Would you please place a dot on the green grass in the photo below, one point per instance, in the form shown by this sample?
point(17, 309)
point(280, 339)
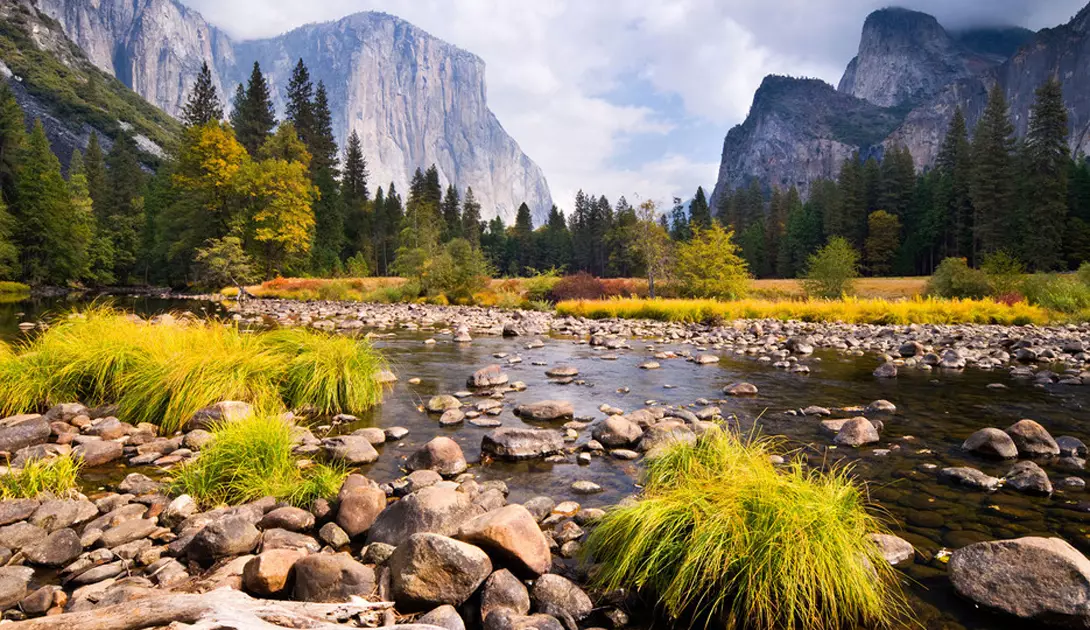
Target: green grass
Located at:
point(7, 287)
point(721, 535)
point(250, 459)
point(163, 373)
point(55, 476)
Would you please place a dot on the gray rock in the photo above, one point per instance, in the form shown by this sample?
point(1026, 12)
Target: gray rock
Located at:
point(617, 431)
point(55, 550)
point(1028, 477)
point(13, 510)
point(560, 597)
point(127, 531)
point(332, 535)
point(290, 518)
point(991, 442)
point(226, 411)
point(1069, 447)
point(970, 477)
point(880, 408)
point(1032, 440)
point(546, 411)
point(886, 370)
point(352, 450)
point(283, 539)
point(490, 376)
point(516, 443)
point(437, 510)
point(445, 616)
point(893, 548)
point(502, 590)
point(445, 402)
point(13, 585)
point(857, 432)
point(60, 513)
point(504, 619)
point(231, 536)
point(359, 503)
point(665, 434)
point(19, 432)
point(98, 453)
point(430, 569)
point(442, 454)
point(19, 535)
point(740, 389)
point(332, 578)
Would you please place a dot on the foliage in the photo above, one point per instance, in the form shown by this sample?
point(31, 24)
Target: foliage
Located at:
point(883, 239)
point(719, 533)
point(652, 244)
point(252, 458)
point(223, 262)
point(953, 278)
point(708, 266)
point(580, 286)
point(831, 271)
point(1063, 293)
point(55, 477)
point(1004, 273)
point(1047, 156)
point(327, 373)
point(204, 105)
point(13, 287)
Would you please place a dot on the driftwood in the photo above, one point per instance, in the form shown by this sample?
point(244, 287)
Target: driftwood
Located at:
point(220, 609)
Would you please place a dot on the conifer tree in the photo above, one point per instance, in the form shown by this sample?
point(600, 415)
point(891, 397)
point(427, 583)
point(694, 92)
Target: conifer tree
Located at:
point(12, 141)
point(554, 247)
point(9, 252)
point(204, 105)
point(81, 226)
point(523, 235)
point(992, 185)
point(358, 213)
point(883, 239)
point(300, 106)
point(1048, 159)
point(452, 214)
point(471, 219)
point(680, 229)
point(254, 117)
point(898, 181)
point(322, 145)
point(94, 167)
point(125, 212)
point(699, 212)
point(953, 195)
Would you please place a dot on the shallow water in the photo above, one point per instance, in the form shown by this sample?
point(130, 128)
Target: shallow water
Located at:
point(936, 412)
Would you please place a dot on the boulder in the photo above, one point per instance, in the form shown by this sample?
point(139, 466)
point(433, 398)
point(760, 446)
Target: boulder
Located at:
point(98, 453)
point(19, 432)
point(740, 389)
point(856, 432)
point(14, 510)
point(445, 617)
point(445, 402)
point(1032, 440)
point(290, 518)
point(268, 572)
point(1071, 446)
point(60, 513)
point(514, 443)
point(430, 569)
point(225, 537)
point(970, 477)
point(911, 349)
point(332, 535)
point(617, 431)
point(504, 619)
point(546, 411)
point(991, 442)
point(437, 510)
point(352, 450)
point(22, 534)
point(893, 548)
point(55, 550)
point(886, 370)
point(127, 531)
point(560, 597)
point(283, 539)
point(110, 429)
point(511, 536)
point(329, 577)
point(442, 454)
point(359, 503)
point(666, 433)
point(226, 411)
point(13, 585)
point(490, 376)
point(502, 590)
point(880, 408)
point(1043, 580)
point(1028, 477)
point(562, 371)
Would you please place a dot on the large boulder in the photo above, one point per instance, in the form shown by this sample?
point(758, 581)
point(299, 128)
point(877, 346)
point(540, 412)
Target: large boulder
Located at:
point(55, 550)
point(328, 577)
point(442, 454)
point(490, 376)
point(1043, 580)
point(222, 538)
point(1032, 440)
point(352, 450)
point(665, 434)
point(991, 442)
point(1028, 477)
point(516, 443)
point(617, 432)
point(359, 503)
point(511, 536)
point(546, 411)
point(560, 597)
point(268, 572)
point(19, 432)
point(436, 510)
point(429, 569)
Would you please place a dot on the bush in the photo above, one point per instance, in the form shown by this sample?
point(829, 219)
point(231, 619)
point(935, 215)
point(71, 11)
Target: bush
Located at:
point(831, 271)
point(1083, 274)
point(55, 476)
point(708, 266)
point(1066, 294)
point(721, 535)
point(1004, 273)
point(581, 286)
point(538, 286)
point(252, 458)
point(223, 262)
point(953, 278)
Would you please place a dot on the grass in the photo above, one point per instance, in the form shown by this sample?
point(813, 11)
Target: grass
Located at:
point(18, 288)
point(55, 476)
point(848, 310)
point(883, 288)
point(162, 373)
point(250, 459)
point(720, 535)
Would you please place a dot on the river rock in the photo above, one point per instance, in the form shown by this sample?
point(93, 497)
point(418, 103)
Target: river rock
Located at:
point(437, 510)
point(1032, 440)
point(893, 548)
point(504, 619)
point(127, 532)
point(65, 412)
point(664, 434)
point(970, 477)
point(617, 431)
point(283, 539)
point(1028, 477)
point(110, 428)
point(546, 411)
point(502, 590)
point(55, 550)
point(430, 569)
point(452, 417)
point(60, 513)
point(1069, 447)
point(560, 597)
point(98, 453)
point(856, 432)
point(13, 510)
point(991, 442)
point(21, 431)
point(222, 538)
point(445, 617)
point(911, 349)
point(880, 408)
point(352, 450)
point(490, 376)
point(329, 577)
point(21, 534)
point(740, 389)
point(1044, 580)
point(359, 503)
point(514, 443)
point(444, 402)
point(290, 518)
point(442, 454)
point(510, 535)
point(332, 535)
point(562, 371)
point(268, 572)
point(13, 585)
point(226, 411)
point(886, 370)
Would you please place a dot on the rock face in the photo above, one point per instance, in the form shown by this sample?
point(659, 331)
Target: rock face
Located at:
point(413, 99)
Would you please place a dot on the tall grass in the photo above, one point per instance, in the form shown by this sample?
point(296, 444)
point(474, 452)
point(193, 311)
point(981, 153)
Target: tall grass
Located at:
point(250, 459)
point(18, 288)
point(163, 373)
point(55, 476)
point(720, 535)
point(848, 310)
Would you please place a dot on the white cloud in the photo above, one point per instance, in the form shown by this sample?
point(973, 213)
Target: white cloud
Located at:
point(557, 69)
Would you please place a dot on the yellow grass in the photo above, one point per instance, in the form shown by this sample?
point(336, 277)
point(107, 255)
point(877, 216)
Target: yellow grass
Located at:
point(883, 288)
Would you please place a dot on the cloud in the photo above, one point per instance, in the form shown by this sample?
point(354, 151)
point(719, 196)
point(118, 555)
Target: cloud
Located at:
point(580, 84)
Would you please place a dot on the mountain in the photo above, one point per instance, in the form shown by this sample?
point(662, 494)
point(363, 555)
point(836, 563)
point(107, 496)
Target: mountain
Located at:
point(902, 87)
point(414, 99)
point(54, 81)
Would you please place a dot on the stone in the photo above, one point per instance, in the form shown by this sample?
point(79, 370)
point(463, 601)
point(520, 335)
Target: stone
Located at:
point(893, 548)
point(359, 503)
point(396, 433)
point(502, 590)
point(546, 411)
point(98, 453)
point(138, 484)
point(504, 619)
point(740, 389)
point(290, 518)
point(445, 616)
point(179, 509)
point(1044, 580)
point(60, 513)
point(13, 510)
point(514, 443)
point(886, 370)
point(856, 432)
point(880, 408)
point(41, 600)
point(197, 439)
point(128, 531)
point(19, 535)
point(911, 349)
point(539, 507)
point(268, 572)
point(991, 442)
point(1028, 477)
point(19, 432)
point(452, 417)
point(560, 597)
point(430, 569)
point(225, 537)
point(13, 585)
point(55, 550)
point(283, 539)
point(585, 487)
point(1032, 440)
point(562, 371)
point(442, 454)
point(332, 535)
point(437, 509)
point(970, 477)
point(110, 429)
point(328, 577)
point(665, 434)
point(226, 411)
point(617, 431)
point(1069, 447)
point(439, 404)
point(511, 535)
point(491, 376)
point(352, 450)
point(65, 412)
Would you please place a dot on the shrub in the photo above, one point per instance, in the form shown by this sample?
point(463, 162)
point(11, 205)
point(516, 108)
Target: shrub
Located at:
point(55, 476)
point(720, 534)
point(467, 271)
point(1083, 274)
point(580, 286)
point(953, 278)
point(357, 267)
point(1066, 294)
point(709, 266)
point(252, 458)
point(1004, 273)
point(538, 285)
point(831, 270)
point(629, 287)
point(222, 262)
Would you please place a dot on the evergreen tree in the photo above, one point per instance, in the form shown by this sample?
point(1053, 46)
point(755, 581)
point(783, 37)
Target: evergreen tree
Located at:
point(300, 106)
point(801, 234)
point(393, 215)
point(992, 183)
point(125, 206)
point(554, 243)
point(203, 105)
point(680, 229)
point(954, 214)
point(358, 214)
point(580, 227)
point(471, 219)
point(494, 244)
point(523, 237)
point(600, 224)
point(254, 116)
point(9, 251)
point(883, 239)
point(378, 232)
point(322, 144)
point(699, 213)
point(624, 260)
point(1047, 177)
point(81, 222)
point(452, 214)
point(12, 141)
point(94, 167)
point(898, 181)
point(775, 228)
point(846, 216)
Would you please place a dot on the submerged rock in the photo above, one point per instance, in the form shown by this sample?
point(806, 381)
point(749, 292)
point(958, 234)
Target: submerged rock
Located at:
point(546, 411)
point(516, 443)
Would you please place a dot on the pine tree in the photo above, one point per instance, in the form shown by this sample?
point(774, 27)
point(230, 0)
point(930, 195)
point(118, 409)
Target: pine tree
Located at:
point(358, 215)
point(81, 225)
point(393, 217)
point(582, 238)
point(203, 105)
point(323, 146)
point(883, 239)
point(624, 261)
point(523, 235)
point(846, 217)
point(254, 116)
point(992, 180)
point(12, 141)
point(300, 107)
point(125, 213)
point(699, 213)
point(94, 167)
point(1047, 177)
point(471, 219)
point(775, 227)
point(452, 214)
point(679, 222)
point(554, 244)
point(898, 181)
point(600, 224)
point(378, 231)
point(9, 251)
point(954, 216)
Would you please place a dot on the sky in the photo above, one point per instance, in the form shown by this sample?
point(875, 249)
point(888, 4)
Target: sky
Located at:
point(633, 97)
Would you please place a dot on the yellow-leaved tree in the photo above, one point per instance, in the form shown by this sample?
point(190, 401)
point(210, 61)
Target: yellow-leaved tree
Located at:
point(283, 218)
point(209, 165)
point(709, 266)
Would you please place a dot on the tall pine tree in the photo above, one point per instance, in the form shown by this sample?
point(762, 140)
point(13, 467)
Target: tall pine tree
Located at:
point(1046, 179)
point(699, 213)
point(12, 141)
point(358, 213)
point(329, 233)
point(992, 183)
point(954, 215)
point(452, 214)
point(125, 212)
point(203, 105)
point(300, 106)
point(471, 219)
point(254, 117)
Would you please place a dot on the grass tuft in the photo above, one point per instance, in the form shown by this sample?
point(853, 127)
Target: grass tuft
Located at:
point(55, 476)
point(326, 372)
point(252, 458)
point(721, 535)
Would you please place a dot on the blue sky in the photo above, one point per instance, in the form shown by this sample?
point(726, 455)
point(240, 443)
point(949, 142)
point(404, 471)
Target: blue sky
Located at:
point(633, 97)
